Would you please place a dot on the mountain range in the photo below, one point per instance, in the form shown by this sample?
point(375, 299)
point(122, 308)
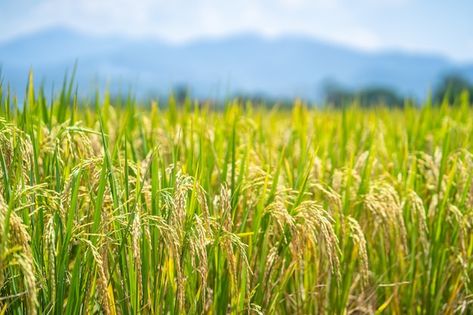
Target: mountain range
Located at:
point(286, 66)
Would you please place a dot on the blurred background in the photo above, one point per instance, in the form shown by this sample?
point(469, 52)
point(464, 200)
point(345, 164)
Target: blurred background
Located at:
point(269, 50)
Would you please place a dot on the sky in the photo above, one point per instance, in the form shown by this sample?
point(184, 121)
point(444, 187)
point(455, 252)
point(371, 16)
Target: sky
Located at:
point(434, 26)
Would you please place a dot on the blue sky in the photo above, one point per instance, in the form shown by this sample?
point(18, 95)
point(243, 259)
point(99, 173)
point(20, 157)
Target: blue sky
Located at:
point(438, 26)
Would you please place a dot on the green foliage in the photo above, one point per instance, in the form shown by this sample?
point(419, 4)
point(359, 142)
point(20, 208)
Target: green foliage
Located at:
point(126, 209)
point(368, 97)
point(453, 89)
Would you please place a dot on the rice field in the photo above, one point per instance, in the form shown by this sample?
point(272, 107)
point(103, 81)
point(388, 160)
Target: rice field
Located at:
point(116, 207)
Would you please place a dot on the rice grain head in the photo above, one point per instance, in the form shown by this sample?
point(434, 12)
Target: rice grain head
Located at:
point(356, 233)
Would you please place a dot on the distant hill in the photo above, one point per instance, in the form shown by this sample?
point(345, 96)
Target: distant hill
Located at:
point(282, 67)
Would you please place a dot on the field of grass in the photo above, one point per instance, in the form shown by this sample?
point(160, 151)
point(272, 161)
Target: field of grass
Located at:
point(168, 209)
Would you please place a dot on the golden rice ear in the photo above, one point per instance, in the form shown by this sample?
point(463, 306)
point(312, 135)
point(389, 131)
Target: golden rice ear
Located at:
point(315, 224)
point(13, 139)
point(281, 216)
point(136, 239)
point(198, 244)
point(50, 244)
point(102, 280)
point(419, 215)
point(68, 141)
point(27, 267)
point(196, 238)
point(103, 285)
point(361, 161)
point(18, 236)
point(384, 205)
point(337, 180)
point(356, 233)
point(333, 197)
point(230, 243)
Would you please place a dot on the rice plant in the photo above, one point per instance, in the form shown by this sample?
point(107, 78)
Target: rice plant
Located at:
point(119, 207)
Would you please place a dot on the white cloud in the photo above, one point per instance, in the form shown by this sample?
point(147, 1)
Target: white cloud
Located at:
point(181, 20)
point(104, 16)
point(301, 4)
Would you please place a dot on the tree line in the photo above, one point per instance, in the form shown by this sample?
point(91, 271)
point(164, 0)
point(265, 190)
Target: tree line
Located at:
point(453, 89)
